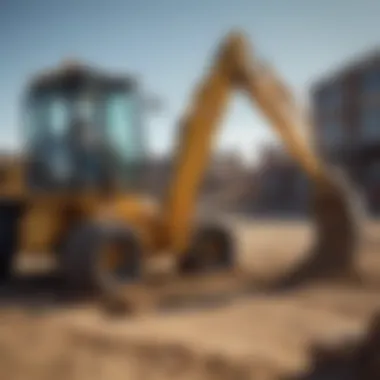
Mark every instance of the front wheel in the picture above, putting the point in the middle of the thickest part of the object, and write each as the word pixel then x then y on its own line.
pixel 211 250
pixel 102 258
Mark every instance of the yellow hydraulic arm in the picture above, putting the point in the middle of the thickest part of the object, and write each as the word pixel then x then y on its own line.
pixel 233 68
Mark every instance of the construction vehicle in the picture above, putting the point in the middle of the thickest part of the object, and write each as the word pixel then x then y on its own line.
pixel 75 191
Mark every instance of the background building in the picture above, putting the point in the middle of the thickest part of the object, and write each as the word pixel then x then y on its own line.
pixel 224 173
pixel 283 187
pixel 346 109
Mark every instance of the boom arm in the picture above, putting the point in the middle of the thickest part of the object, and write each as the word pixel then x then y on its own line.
pixel 233 68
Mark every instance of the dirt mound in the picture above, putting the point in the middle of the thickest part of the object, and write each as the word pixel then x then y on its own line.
pixel 265 338
pixel 159 360
pixel 31 348
pixel 251 337
pixel 36 348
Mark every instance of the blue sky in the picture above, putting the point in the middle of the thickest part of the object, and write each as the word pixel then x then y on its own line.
pixel 169 42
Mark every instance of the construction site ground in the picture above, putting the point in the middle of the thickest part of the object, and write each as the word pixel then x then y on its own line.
pixel 233 333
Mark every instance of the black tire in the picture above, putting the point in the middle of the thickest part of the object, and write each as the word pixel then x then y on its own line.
pixel 197 258
pixel 9 217
pixel 82 251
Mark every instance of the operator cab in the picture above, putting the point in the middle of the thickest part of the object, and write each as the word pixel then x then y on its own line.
pixel 83 128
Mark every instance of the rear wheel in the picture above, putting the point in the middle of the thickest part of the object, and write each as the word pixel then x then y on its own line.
pixel 101 258
pixel 211 250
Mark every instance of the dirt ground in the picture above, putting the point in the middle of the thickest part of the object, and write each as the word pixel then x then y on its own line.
pixel 247 336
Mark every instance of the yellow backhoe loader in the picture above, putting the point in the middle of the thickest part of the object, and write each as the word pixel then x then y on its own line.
pixel 75 191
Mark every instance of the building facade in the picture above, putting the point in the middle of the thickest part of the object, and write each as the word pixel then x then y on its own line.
pixel 283 187
pixel 346 111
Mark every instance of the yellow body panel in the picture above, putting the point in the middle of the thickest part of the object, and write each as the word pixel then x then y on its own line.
pixel 12 183
pixel 40 227
pixel 139 212
pixel 48 219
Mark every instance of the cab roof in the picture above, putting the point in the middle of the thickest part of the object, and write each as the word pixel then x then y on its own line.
pixel 72 75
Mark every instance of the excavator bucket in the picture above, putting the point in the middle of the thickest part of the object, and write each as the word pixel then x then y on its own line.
pixel 337 213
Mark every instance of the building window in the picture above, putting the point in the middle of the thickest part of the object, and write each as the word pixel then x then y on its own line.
pixel 370 124
pixel 332 133
pixel 330 98
pixel 371 81
pixel 372 182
